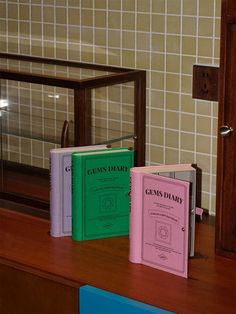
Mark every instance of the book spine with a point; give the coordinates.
(77, 198)
(55, 203)
(135, 232)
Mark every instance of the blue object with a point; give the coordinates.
(97, 301)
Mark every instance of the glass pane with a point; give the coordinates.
(113, 115)
(31, 124)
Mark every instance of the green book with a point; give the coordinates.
(100, 193)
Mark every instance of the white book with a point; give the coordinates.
(60, 188)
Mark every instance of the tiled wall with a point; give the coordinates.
(164, 37)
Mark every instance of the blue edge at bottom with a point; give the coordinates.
(97, 301)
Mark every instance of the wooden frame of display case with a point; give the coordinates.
(82, 102)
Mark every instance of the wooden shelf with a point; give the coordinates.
(26, 247)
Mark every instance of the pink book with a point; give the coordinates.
(159, 222)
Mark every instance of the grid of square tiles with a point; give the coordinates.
(164, 37)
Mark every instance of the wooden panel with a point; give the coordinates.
(22, 292)
(226, 166)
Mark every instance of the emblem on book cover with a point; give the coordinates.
(108, 203)
(163, 232)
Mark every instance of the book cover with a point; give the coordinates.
(60, 188)
(159, 222)
(100, 193)
(186, 172)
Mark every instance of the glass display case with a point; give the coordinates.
(48, 103)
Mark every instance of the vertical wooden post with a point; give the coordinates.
(82, 117)
(140, 118)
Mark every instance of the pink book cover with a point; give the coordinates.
(159, 223)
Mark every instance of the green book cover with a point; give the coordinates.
(100, 193)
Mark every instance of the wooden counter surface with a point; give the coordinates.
(25, 245)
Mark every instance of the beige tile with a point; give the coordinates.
(186, 84)
(100, 56)
(143, 22)
(24, 12)
(157, 136)
(48, 31)
(206, 8)
(3, 10)
(173, 44)
(100, 4)
(157, 61)
(203, 144)
(143, 41)
(187, 64)
(158, 23)
(114, 20)
(128, 58)
(174, 7)
(157, 80)
(36, 13)
(143, 60)
(205, 27)
(128, 20)
(203, 125)
(24, 46)
(158, 42)
(188, 122)
(48, 14)
(156, 154)
(143, 5)
(173, 63)
(205, 47)
(189, 25)
(100, 19)
(203, 107)
(171, 156)
(128, 40)
(189, 45)
(172, 82)
(25, 159)
(157, 117)
(74, 16)
(157, 99)
(189, 7)
(48, 50)
(84, 3)
(172, 120)
(172, 138)
(186, 157)
(13, 28)
(114, 5)
(173, 24)
(73, 35)
(158, 6)
(37, 162)
(187, 141)
(36, 30)
(114, 39)
(172, 101)
(12, 10)
(128, 5)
